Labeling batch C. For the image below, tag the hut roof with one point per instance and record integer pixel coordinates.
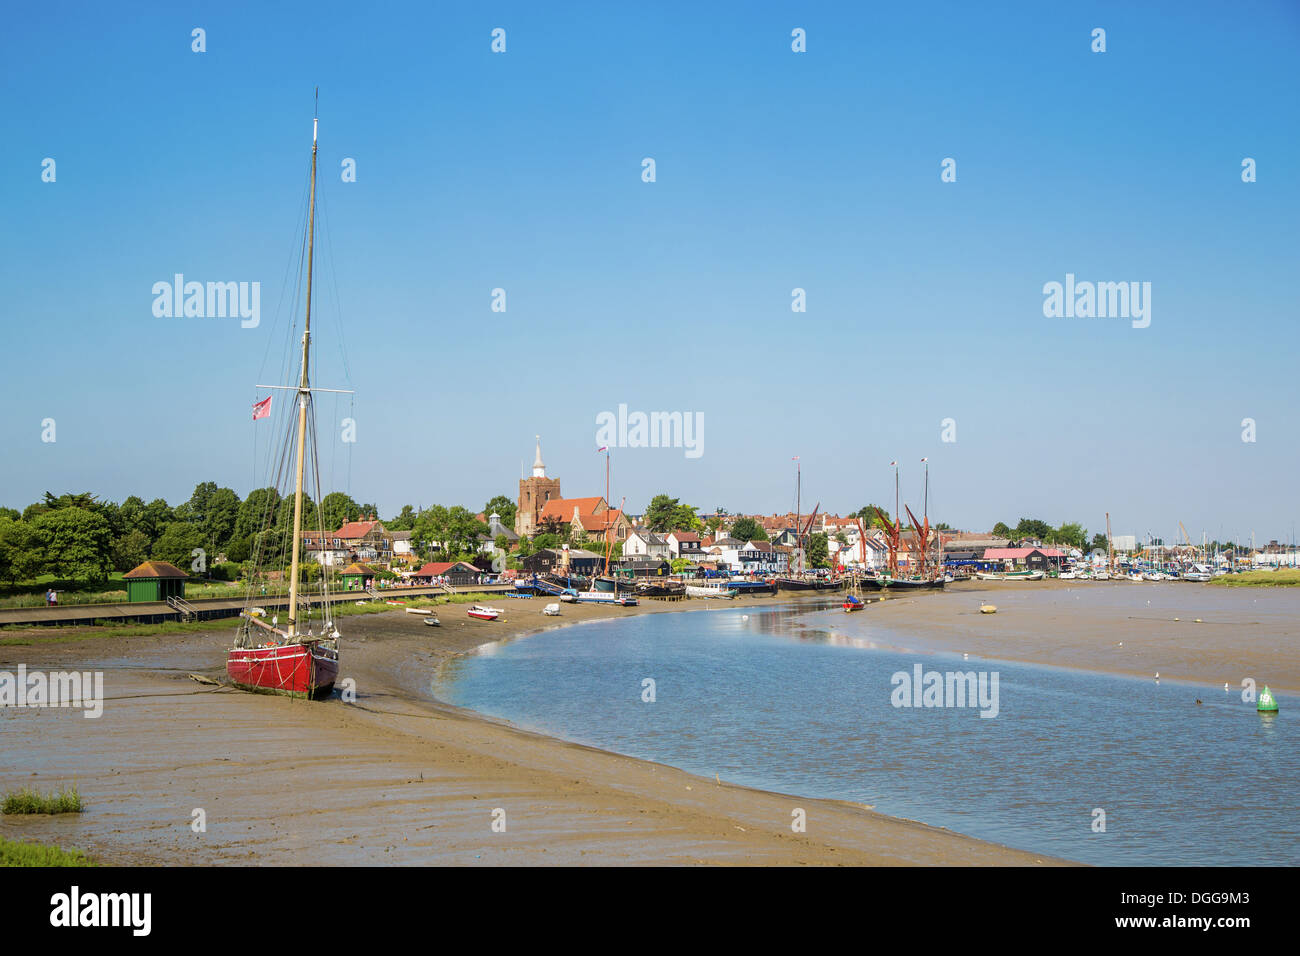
(355, 568)
(155, 569)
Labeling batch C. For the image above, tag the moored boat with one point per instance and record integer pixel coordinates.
(709, 591)
(483, 613)
(302, 659)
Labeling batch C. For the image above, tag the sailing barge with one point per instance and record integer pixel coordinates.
(295, 661)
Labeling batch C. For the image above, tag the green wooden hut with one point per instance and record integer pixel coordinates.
(354, 577)
(155, 581)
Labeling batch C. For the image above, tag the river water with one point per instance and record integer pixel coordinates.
(811, 704)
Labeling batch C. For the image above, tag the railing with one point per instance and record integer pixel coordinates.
(374, 594)
(187, 611)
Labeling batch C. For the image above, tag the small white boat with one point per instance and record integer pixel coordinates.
(1067, 575)
(701, 591)
(1101, 576)
(485, 613)
(552, 609)
(988, 608)
(432, 621)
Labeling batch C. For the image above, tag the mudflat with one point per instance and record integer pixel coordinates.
(1187, 632)
(396, 776)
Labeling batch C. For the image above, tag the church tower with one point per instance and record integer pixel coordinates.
(534, 492)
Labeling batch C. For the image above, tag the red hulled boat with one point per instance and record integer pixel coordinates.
(303, 669)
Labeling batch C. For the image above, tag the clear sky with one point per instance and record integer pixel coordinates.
(775, 170)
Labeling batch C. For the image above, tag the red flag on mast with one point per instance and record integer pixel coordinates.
(262, 409)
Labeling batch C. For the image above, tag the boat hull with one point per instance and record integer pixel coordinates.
(293, 670)
(901, 584)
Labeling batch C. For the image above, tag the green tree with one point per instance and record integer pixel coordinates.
(1033, 528)
(685, 519)
(257, 512)
(869, 517)
(219, 516)
(1098, 542)
(405, 520)
(660, 513)
(1000, 530)
(680, 564)
(818, 550)
(337, 509)
(177, 543)
(747, 529)
(546, 541)
(1071, 534)
(130, 550)
(75, 542)
(156, 515)
(284, 517)
(21, 557)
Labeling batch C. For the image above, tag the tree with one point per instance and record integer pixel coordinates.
(1071, 534)
(546, 540)
(405, 520)
(257, 512)
(130, 550)
(747, 529)
(685, 519)
(222, 508)
(713, 524)
(156, 515)
(21, 557)
(502, 506)
(75, 543)
(284, 518)
(337, 509)
(818, 551)
(1099, 542)
(869, 517)
(1033, 528)
(841, 537)
(660, 513)
(680, 564)
(1000, 530)
(177, 543)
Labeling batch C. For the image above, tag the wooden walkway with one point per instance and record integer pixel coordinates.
(154, 612)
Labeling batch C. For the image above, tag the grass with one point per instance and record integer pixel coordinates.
(1287, 577)
(13, 853)
(32, 801)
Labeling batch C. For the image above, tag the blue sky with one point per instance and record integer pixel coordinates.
(775, 170)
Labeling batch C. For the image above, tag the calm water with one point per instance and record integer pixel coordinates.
(772, 698)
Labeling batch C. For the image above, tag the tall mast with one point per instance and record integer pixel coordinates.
(304, 394)
(798, 514)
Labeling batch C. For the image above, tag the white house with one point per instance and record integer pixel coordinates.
(684, 544)
(643, 543)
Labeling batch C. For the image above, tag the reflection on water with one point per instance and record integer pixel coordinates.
(766, 698)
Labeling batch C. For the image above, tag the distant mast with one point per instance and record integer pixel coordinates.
(304, 394)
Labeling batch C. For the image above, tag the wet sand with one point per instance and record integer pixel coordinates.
(396, 777)
(1243, 632)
